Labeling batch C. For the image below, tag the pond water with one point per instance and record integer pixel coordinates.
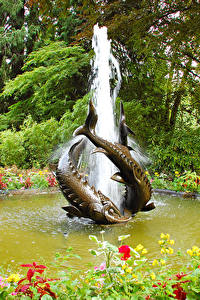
(34, 228)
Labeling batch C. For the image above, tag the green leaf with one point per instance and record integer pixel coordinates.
(93, 238)
(46, 297)
(123, 237)
(93, 252)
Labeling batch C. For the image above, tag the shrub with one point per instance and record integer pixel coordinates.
(39, 141)
(180, 153)
(71, 120)
(31, 146)
(12, 151)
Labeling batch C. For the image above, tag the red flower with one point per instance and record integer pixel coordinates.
(33, 268)
(51, 180)
(126, 251)
(179, 276)
(40, 283)
(28, 183)
(179, 292)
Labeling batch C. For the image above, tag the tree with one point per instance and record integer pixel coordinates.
(152, 37)
(19, 30)
(54, 77)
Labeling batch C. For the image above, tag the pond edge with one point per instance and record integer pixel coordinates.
(56, 190)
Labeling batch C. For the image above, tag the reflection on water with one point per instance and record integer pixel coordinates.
(34, 228)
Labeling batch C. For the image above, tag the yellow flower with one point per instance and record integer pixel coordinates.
(162, 251)
(171, 242)
(155, 262)
(162, 235)
(144, 251)
(156, 174)
(171, 251)
(86, 281)
(190, 252)
(20, 175)
(45, 171)
(40, 173)
(161, 242)
(167, 236)
(146, 172)
(195, 248)
(128, 270)
(13, 278)
(153, 276)
(139, 247)
(162, 261)
(121, 280)
(134, 276)
(123, 267)
(176, 172)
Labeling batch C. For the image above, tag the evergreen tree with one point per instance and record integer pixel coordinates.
(54, 77)
(19, 28)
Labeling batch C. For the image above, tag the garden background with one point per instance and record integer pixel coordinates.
(45, 54)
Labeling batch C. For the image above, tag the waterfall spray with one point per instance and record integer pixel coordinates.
(105, 67)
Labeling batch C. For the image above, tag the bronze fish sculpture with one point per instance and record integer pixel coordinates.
(84, 200)
(138, 187)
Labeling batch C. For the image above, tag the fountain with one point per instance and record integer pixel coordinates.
(111, 159)
(105, 67)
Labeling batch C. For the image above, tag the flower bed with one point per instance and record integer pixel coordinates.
(186, 182)
(125, 273)
(14, 178)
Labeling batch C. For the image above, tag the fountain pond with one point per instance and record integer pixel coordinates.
(35, 228)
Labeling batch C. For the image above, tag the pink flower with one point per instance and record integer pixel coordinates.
(13, 293)
(125, 249)
(102, 266)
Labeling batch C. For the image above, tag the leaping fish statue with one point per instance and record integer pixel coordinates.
(84, 200)
(138, 187)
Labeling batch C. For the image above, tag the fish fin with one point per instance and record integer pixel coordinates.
(117, 177)
(72, 211)
(148, 207)
(130, 131)
(130, 148)
(101, 150)
(136, 177)
(90, 122)
(124, 130)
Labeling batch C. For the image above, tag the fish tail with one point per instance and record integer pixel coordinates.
(90, 122)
